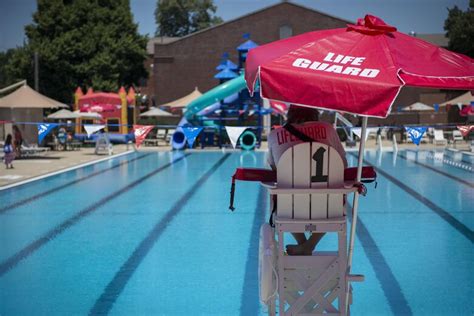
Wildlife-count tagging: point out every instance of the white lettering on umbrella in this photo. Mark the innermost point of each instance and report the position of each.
(338, 59)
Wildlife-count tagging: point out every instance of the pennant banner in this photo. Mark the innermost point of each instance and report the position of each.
(279, 107)
(416, 133)
(234, 133)
(44, 129)
(358, 131)
(91, 129)
(140, 132)
(436, 107)
(465, 129)
(191, 133)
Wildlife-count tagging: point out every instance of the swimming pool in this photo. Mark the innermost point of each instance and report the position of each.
(150, 233)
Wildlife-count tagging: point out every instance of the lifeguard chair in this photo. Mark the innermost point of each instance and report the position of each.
(310, 191)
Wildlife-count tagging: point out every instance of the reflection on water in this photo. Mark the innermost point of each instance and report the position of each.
(248, 159)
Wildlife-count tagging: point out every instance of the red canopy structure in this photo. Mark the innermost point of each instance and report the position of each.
(359, 69)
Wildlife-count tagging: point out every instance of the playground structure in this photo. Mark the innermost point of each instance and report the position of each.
(118, 112)
(229, 103)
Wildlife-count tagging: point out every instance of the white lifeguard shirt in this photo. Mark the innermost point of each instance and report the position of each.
(280, 140)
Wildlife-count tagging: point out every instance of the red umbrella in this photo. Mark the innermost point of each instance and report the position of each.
(359, 69)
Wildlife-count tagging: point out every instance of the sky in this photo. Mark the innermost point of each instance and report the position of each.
(420, 16)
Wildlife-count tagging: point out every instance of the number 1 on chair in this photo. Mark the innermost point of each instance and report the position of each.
(318, 157)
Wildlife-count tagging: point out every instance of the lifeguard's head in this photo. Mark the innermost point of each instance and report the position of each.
(301, 114)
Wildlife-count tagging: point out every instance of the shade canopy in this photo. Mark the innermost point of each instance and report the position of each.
(465, 99)
(27, 98)
(184, 101)
(418, 106)
(63, 114)
(359, 69)
(156, 112)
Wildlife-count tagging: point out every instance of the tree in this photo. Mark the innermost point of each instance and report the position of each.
(182, 17)
(459, 28)
(88, 43)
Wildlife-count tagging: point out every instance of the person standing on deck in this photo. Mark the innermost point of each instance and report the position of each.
(9, 152)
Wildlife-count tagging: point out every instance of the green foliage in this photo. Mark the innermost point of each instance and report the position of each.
(182, 17)
(87, 43)
(459, 28)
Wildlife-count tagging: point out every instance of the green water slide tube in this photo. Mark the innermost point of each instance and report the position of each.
(214, 95)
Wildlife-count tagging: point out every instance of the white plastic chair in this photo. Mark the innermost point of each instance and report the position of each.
(103, 145)
(457, 136)
(310, 193)
(439, 137)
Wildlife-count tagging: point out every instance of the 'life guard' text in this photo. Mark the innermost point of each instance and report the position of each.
(341, 60)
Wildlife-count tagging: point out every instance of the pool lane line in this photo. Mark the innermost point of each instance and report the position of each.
(451, 220)
(437, 171)
(390, 285)
(11, 262)
(63, 186)
(112, 291)
(85, 164)
(249, 300)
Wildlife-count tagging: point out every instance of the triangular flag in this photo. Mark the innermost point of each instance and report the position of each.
(436, 107)
(234, 133)
(140, 132)
(465, 129)
(91, 129)
(460, 106)
(252, 112)
(44, 129)
(416, 133)
(191, 133)
(357, 131)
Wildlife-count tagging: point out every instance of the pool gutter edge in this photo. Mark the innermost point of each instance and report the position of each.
(9, 186)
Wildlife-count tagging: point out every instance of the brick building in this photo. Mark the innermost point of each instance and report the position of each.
(181, 64)
(178, 65)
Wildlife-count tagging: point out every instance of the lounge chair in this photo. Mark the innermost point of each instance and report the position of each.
(169, 134)
(161, 135)
(27, 150)
(439, 137)
(310, 192)
(103, 145)
(457, 137)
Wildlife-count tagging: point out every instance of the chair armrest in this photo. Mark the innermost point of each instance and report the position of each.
(269, 185)
(340, 190)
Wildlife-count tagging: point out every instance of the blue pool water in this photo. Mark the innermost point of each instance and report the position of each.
(150, 233)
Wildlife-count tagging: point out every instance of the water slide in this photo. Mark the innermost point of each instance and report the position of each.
(211, 97)
(214, 95)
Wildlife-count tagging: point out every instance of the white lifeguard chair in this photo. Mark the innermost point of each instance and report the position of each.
(310, 192)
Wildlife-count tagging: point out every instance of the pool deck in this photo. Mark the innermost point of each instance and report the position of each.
(54, 162)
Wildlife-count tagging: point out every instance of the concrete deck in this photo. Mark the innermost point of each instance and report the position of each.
(59, 161)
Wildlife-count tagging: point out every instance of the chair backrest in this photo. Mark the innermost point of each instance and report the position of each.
(310, 165)
(438, 134)
(161, 133)
(457, 135)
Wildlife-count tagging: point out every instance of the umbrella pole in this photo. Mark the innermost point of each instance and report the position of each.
(355, 205)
